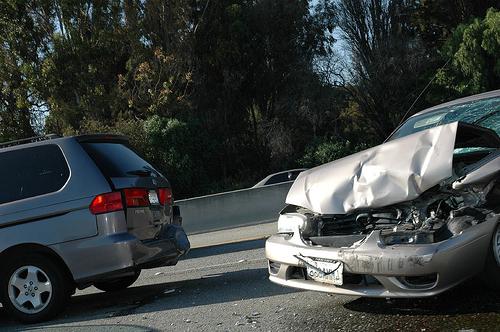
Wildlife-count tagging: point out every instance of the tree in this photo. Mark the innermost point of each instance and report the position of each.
(158, 75)
(23, 36)
(386, 60)
(473, 49)
(89, 48)
(437, 19)
(254, 70)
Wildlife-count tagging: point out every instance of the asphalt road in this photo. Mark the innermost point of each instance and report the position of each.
(225, 288)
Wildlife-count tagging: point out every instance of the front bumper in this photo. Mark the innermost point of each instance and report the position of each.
(114, 252)
(383, 271)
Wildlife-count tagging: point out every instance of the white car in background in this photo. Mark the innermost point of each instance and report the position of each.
(280, 177)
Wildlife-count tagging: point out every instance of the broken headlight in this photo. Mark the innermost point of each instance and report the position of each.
(292, 222)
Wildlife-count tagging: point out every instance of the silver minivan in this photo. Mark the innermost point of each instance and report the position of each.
(79, 211)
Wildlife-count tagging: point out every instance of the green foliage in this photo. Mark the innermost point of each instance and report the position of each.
(89, 48)
(437, 19)
(473, 50)
(328, 149)
(21, 41)
(174, 147)
(133, 129)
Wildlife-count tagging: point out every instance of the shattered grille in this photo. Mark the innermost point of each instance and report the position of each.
(338, 227)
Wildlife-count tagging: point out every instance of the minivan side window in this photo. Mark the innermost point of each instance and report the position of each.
(31, 172)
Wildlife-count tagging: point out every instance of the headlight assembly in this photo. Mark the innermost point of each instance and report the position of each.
(291, 222)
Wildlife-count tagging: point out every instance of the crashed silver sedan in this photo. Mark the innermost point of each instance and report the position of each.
(411, 217)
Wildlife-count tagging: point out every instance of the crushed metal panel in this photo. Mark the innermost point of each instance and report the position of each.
(393, 172)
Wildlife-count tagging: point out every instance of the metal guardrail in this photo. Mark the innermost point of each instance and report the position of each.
(233, 209)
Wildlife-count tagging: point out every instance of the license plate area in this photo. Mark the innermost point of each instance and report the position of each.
(323, 270)
(153, 197)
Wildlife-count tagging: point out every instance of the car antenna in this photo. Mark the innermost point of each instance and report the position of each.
(421, 93)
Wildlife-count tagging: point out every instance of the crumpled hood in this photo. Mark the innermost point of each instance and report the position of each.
(396, 171)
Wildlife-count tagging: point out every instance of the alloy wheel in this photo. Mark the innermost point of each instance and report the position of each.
(30, 289)
(496, 245)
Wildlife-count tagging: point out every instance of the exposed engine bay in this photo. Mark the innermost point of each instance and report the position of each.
(435, 216)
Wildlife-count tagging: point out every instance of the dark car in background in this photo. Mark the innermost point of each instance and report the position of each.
(79, 211)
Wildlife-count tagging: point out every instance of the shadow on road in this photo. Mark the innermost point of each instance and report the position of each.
(468, 307)
(468, 298)
(211, 289)
(225, 249)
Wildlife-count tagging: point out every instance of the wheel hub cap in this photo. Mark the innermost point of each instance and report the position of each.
(30, 289)
(496, 245)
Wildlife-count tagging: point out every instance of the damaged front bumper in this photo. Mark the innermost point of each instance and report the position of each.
(373, 269)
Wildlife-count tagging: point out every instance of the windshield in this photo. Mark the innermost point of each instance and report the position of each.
(484, 112)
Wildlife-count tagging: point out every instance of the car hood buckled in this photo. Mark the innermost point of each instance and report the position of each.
(396, 171)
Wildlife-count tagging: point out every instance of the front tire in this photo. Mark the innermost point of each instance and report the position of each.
(118, 284)
(491, 275)
(33, 288)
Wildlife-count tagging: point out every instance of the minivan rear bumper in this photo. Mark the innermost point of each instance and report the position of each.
(110, 255)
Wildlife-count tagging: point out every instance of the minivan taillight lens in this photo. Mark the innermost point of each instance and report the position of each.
(106, 203)
(165, 196)
(136, 197)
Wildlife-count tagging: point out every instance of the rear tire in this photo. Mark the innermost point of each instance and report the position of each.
(33, 288)
(491, 274)
(118, 284)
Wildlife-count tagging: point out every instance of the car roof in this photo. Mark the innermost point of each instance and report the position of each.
(485, 95)
(99, 138)
(52, 138)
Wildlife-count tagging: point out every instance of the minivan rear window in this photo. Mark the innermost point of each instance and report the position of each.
(31, 172)
(117, 160)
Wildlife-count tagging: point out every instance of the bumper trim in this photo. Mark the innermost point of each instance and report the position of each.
(110, 255)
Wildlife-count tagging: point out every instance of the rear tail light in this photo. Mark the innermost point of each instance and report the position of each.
(136, 197)
(106, 203)
(165, 196)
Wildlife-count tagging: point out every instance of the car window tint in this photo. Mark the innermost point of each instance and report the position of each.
(294, 175)
(475, 112)
(31, 172)
(117, 160)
